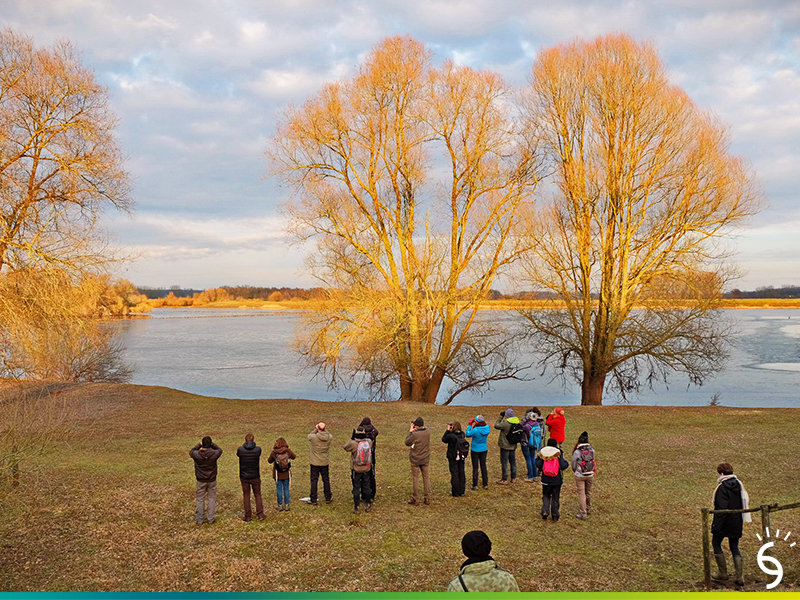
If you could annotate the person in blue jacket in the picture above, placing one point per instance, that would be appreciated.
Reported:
(478, 430)
(552, 478)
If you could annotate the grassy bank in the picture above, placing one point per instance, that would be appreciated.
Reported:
(112, 508)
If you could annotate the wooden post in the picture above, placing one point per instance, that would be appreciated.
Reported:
(765, 522)
(706, 553)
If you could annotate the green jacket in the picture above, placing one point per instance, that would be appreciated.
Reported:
(504, 425)
(484, 576)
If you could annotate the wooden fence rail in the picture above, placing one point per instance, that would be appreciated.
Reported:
(764, 509)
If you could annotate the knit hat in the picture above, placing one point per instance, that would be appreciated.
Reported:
(476, 544)
(552, 442)
(360, 433)
(419, 422)
(583, 438)
(366, 421)
(559, 410)
(509, 413)
(480, 418)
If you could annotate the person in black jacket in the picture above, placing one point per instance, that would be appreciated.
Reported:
(551, 484)
(729, 495)
(250, 475)
(371, 433)
(458, 477)
(205, 456)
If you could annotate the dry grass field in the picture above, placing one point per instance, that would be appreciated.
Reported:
(110, 508)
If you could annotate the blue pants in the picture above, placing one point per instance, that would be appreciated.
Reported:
(282, 491)
(529, 452)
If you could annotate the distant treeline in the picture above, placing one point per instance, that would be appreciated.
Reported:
(786, 291)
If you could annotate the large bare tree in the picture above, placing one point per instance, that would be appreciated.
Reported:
(60, 166)
(60, 169)
(409, 178)
(629, 240)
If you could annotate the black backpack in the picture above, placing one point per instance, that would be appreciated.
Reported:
(516, 434)
(462, 447)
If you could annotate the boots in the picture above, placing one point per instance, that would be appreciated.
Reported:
(722, 568)
(739, 566)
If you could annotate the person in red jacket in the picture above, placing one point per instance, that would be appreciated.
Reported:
(556, 422)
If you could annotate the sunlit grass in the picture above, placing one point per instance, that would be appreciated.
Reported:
(112, 510)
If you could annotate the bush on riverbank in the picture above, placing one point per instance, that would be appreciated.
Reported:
(111, 509)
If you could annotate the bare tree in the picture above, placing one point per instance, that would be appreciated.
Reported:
(409, 178)
(60, 166)
(642, 190)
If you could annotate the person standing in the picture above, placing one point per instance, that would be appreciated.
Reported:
(511, 434)
(360, 448)
(551, 464)
(728, 495)
(457, 451)
(480, 573)
(584, 466)
(318, 457)
(281, 459)
(372, 433)
(556, 424)
(205, 456)
(419, 442)
(478, 431)
(250, 476)
(528, 445)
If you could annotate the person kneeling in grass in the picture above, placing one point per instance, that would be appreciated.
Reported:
(480, 573)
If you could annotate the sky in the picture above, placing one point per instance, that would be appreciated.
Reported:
(199, 86)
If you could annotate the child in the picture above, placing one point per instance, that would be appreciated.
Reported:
(281, 457)
(550, 463)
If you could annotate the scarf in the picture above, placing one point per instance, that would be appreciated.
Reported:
(746, 517)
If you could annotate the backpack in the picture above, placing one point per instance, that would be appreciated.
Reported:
(462, 447)
(535, 438)
(363, 453)
(586, 463)
(550, 467)
(516, 434)
(282, 463)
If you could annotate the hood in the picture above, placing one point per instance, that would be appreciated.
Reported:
(513, 419)
(549, 452)
(280, 449)
(480, 568)
(249, 445)
(206, 452)
(323, 436)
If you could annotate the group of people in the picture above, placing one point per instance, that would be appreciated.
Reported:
(544, 463)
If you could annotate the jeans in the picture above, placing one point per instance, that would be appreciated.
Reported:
(458, 479)
(361, 489)
(585, 494)
(506, 457)
(479, 458)
(529, 452)
(733, 543)
(205, 491)
(316, 472)
(256, 485)
(282, 489)
(551, 501)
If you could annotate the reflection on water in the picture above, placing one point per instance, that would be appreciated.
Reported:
(249, 354)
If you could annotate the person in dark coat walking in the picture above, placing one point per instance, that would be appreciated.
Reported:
(250, 476)
(551, 483)
(205, 456)
(728, 495)
(371, 433)
(458, 478)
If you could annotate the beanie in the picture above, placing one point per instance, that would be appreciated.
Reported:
(476, 544)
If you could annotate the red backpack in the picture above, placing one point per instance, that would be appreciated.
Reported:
(364, 453)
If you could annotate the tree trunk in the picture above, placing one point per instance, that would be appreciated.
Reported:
(592, 389)
(435, 383)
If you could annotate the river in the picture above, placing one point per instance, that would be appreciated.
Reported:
(248, 354)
